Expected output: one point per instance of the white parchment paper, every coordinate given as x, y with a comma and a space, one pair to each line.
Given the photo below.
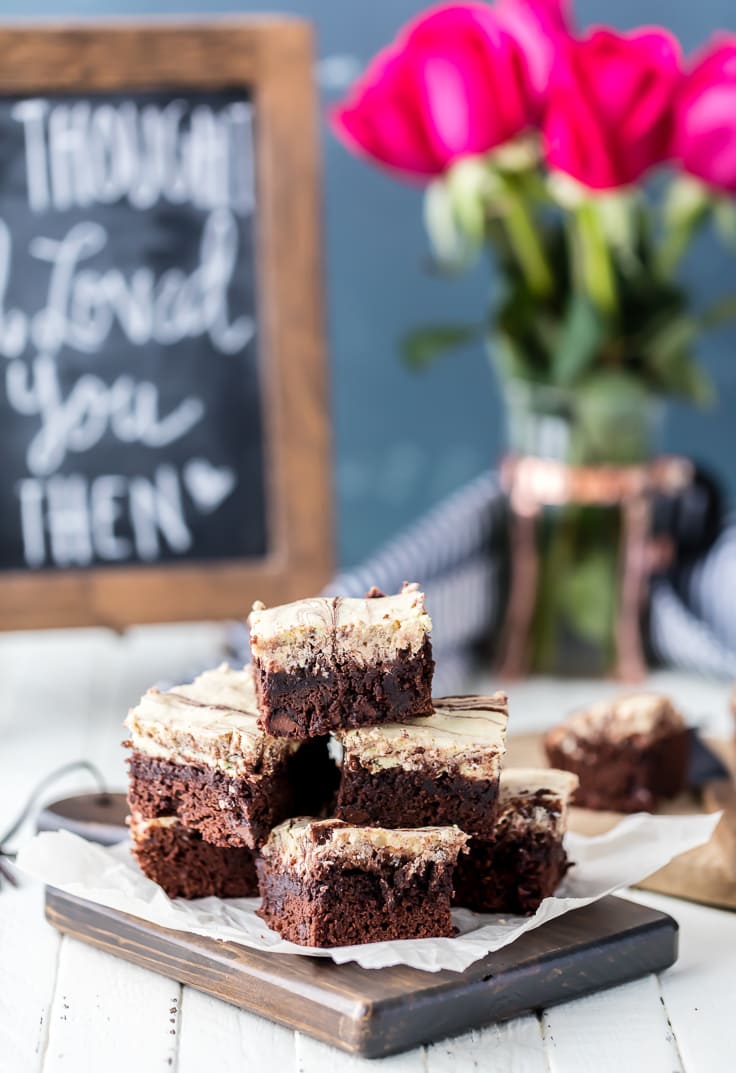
638, 846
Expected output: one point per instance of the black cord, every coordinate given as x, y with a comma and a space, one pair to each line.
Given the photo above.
33, 800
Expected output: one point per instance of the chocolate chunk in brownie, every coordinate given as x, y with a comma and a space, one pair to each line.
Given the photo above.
328, 883
186, 866
331, 662
525, 860
199, 754
629, 753
433, 770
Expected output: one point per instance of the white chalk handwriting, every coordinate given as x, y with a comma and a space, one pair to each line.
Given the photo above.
78, 155
71, 520
82, 153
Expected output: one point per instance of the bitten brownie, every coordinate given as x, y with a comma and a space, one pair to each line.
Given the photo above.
432, 770
525, 860
328, 883
186, 866
628, 753
199, 754
332, 662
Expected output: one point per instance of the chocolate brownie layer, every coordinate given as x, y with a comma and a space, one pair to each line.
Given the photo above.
332, 662
328, 883
226, 810
186, 866
311, 702
398, 798
510, 875
525, 860
439, 769
199, 754
626, 776
628, 753
356, 907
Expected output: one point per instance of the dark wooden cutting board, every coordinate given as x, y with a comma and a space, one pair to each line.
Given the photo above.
375, 1012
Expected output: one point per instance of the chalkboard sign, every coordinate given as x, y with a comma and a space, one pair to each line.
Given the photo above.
162, 419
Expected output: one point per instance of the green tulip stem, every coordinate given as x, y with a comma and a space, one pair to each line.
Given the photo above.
526, 244
597, 274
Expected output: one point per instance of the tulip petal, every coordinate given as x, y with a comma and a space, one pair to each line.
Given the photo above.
454, 83
539, 27
610, 111
379, 119
705, 135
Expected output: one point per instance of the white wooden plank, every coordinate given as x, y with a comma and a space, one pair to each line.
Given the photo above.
315, 1057
240, 1040
622, 1028
514, 1047
29, 949
699, 991
109, 1016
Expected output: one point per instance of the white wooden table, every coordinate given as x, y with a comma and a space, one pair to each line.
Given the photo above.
66, 1007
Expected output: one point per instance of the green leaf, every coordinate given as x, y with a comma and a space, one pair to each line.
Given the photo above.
684, 376
510, 359
579, 342
423, 346
686, 207
525, 335
668, 335
668, 354
721, 312
687, 200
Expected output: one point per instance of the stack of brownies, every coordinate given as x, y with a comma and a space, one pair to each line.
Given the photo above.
326, 778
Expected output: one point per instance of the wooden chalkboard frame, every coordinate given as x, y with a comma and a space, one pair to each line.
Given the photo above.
271, 58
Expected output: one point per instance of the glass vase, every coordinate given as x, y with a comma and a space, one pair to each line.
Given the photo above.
572, 579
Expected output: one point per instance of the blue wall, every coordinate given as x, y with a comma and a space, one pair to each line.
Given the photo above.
404, 440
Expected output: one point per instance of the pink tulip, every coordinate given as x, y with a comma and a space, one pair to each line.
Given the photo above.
705, 136
538, 26
610, 112
454, 83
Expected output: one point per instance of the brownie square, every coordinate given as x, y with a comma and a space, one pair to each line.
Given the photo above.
434, 770
327, 883
525, 860
186, 866
199, 754
628, 753
332, 662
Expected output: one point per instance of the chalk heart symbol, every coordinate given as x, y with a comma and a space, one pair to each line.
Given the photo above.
208, 485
